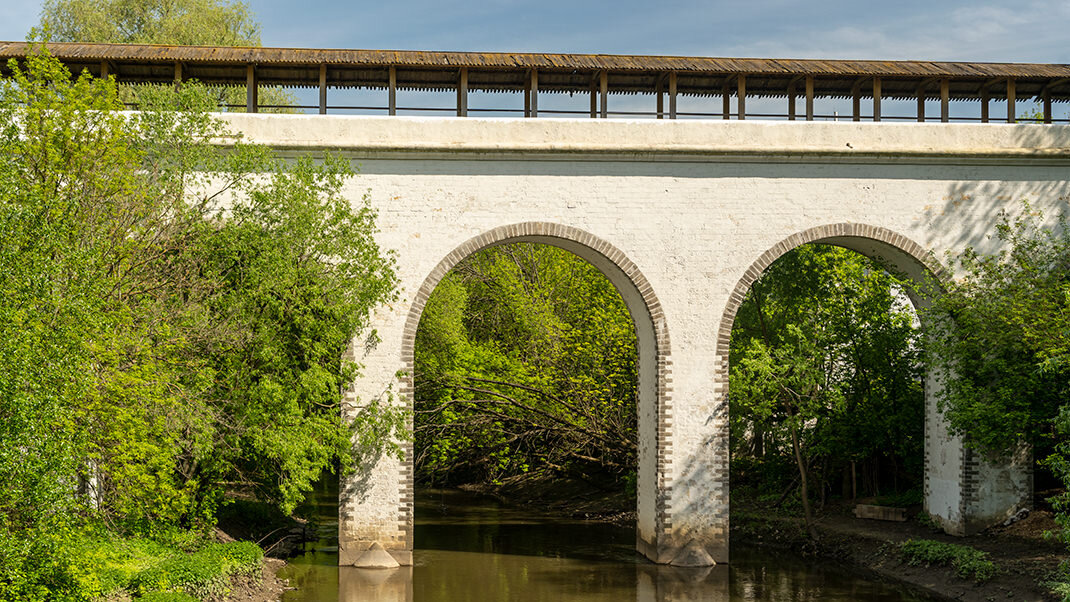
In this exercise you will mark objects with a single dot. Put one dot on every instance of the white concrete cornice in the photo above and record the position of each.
(646, 140)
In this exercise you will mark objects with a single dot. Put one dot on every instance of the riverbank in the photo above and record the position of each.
(1025, 561)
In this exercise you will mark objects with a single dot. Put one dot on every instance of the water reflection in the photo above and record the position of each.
(471, 549)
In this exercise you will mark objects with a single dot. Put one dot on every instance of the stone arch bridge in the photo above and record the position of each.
(682, 217)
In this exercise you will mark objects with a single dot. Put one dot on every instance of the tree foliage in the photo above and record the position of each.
(182, 22)
(173, 22)
(525, 361)
(1001, 334)
(825, 370)
(1001, 337)
(172, 318)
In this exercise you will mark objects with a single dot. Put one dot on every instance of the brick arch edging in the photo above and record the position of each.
(840, 230)
(544, 232)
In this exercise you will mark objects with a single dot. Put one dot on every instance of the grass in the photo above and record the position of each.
(102, 565)
(967, 562)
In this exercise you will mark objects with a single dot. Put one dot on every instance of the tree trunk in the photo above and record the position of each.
(854, 482)
(802, 482)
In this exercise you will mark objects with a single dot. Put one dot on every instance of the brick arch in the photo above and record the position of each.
(653, 346)
(895, 250)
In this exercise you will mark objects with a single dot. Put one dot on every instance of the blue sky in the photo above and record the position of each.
(1029, 31)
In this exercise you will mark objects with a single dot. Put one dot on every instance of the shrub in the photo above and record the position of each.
(966, 561)
(168, 597)
(202, 573)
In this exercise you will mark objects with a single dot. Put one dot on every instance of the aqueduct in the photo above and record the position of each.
(681, 215)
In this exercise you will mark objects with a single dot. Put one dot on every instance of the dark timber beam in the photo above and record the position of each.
(809, 97)
(741, 96)
(251, 85)
(1045, 97)
(876, 99)
(603, 86)
(392, 92)
(527, 95)
(323, 88)
(793, 96)
(856, 100)
(1010, 100)
(534, 92)
(594, 96)
(659, 93)
(672, 95)
(945, 101)
(462, 92)
(726, 98)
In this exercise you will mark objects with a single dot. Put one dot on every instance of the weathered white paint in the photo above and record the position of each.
(695, 208)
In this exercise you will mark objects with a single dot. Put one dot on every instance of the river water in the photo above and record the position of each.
(472, 549)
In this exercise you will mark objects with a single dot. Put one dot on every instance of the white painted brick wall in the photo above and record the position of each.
(693, 205)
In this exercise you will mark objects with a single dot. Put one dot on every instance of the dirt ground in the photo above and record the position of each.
(1023, 557)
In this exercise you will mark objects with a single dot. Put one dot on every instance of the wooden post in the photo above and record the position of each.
(323, 88)
(945, 101)
(856, 101)
(594, 98)
(603, 85)
(392, 92)
(178, 75)
(659, 92)
(876, 99)
(741, 96)
(726, 100)
(103, 69)
(527, 96)
(534, 92)
(921, 104)
(251, 100)
(462, 93)
(1010, 100)
(809, 98)
(984, 104)
(672, 95)
(1045, 97)
(791, 100)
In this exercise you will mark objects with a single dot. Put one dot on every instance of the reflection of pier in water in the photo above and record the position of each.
(653, 583)
(472, 549)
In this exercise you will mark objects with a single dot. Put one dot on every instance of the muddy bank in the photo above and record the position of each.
(563, 497)
(1023, 558)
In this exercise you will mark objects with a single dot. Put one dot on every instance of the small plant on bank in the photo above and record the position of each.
(167, 597)
(966, 561)
(928, 521)
(202, 573)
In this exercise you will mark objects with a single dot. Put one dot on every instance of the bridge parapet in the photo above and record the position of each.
(801, 83)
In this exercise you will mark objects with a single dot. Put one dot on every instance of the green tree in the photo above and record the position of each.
(825, 370)
(172, 319)
(525, 362)
(172, 22)
(1001, 334)
(1001, 337)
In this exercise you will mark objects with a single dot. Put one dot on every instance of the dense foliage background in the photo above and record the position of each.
(525, 363)
(172, 322)
(826, 375)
